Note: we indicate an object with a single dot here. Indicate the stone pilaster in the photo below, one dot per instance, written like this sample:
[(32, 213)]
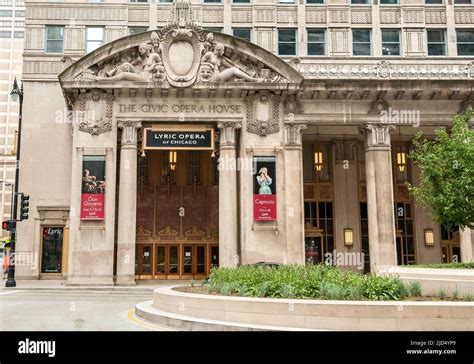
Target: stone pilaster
[(380, 202), (294, 201), (228, 245), (346, 195), (127, 208), (466, 245)]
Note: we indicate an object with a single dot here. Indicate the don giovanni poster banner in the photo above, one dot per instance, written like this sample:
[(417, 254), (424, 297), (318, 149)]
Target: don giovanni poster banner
[(264, 189), (93, 188)]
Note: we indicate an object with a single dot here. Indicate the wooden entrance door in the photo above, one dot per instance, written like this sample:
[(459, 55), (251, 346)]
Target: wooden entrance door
[(144, 261), (167, 261)]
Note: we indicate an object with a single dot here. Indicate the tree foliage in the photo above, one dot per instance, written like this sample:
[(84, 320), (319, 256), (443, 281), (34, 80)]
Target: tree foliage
[(447, 173)]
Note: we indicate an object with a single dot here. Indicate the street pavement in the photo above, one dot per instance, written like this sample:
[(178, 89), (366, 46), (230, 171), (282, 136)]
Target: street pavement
[(45, 307)]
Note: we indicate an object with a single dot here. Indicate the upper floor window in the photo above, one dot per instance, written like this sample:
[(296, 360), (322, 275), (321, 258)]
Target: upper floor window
[(463, 2), (433, 1), (212, 1), (135, 30), (138, 1), (244, 33), (286, 1), (95, 38), (465, 41), (316, 42), (314, 1), (54, 39), (360, 2), (361, 44), (6, 13), (242, 1), (388, 2), (20, 13), (436, 42), (5, 34), (390, 42), (166, 1), (287, 42)]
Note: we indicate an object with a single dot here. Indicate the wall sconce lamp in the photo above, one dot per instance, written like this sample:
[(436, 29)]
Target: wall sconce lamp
[(173, 158), (318, 161), (348, 237), (429, 237), (401, 161)]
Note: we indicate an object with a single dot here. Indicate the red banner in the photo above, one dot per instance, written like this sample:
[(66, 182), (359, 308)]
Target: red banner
[(264, 207), (92, 206), (93, 187), (264, 189)]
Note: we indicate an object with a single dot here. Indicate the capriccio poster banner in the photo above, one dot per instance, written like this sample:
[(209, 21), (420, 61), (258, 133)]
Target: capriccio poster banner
[(264, 189), (93, 188)]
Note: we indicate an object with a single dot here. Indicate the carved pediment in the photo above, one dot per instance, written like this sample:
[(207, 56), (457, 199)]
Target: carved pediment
[(180, 54)]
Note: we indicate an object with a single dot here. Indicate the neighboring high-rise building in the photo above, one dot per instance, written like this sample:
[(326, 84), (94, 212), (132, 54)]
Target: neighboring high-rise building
[(12, 25)]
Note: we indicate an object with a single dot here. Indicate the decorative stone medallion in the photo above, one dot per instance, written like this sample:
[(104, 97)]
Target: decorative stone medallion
[(95, 112), (263, 113)]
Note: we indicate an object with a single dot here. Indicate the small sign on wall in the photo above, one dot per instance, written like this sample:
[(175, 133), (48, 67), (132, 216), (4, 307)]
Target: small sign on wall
[(171, 139), (264, 189), (93, 188)]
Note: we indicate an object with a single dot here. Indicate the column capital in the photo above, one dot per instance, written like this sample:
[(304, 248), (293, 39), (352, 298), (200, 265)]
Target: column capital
[(129, 131), (345, 149), (228, 129), (377, 135), (293, 133)]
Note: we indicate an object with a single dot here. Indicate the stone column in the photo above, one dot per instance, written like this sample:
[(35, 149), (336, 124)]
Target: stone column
[(126, 233), (380, 205), (293, 198), (346, 196), (228, 250), (466, 245)]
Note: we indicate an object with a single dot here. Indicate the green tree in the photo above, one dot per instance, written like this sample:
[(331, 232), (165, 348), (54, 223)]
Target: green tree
[(447, 173)]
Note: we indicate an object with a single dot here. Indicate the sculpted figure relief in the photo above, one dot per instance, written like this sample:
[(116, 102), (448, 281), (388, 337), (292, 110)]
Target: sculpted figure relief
[(181, 53), (223, 68)]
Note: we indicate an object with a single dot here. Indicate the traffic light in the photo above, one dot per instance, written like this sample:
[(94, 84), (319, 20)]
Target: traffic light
[(7, 225), (24, 207)]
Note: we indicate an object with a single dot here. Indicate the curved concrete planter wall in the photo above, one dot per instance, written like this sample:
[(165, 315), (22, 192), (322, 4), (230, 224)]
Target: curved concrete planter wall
[(225, 311)]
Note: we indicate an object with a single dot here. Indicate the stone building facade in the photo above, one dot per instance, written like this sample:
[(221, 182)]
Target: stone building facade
[(182, 146)]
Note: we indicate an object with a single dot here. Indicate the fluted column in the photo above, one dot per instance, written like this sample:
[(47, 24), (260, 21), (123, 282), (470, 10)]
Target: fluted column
[(228, 253), (380, 204), (127, 212)]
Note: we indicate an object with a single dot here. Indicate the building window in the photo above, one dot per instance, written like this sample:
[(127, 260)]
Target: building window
[(142, 169), (318, 215), (52, 250), (286, 1), (463, 2), (405, 239), (364, 234), (316, 42), (136, 30), (138, 1), (166, 1), (359, 2), (6, 13), (194, 167), (20, 13), (390, 42), (361, 42), (212, 1), (213, 29), (314, 1), (54, 39), (433, 1), (244, 33), (287, 42), (17, 34), (436, 42), (465, 41), (5, 34), (241, 1), (95, 38), (388, 2)]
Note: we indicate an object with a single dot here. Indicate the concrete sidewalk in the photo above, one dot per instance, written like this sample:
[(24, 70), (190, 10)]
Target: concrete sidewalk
[(143, 286)]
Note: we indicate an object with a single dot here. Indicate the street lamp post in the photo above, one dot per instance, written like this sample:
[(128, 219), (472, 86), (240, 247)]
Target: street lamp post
[(16, 94)]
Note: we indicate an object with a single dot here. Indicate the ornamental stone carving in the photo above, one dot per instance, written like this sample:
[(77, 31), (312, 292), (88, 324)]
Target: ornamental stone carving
[(263, 113), (95, 112), (377, 135), (181, 53), (378, 106)]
